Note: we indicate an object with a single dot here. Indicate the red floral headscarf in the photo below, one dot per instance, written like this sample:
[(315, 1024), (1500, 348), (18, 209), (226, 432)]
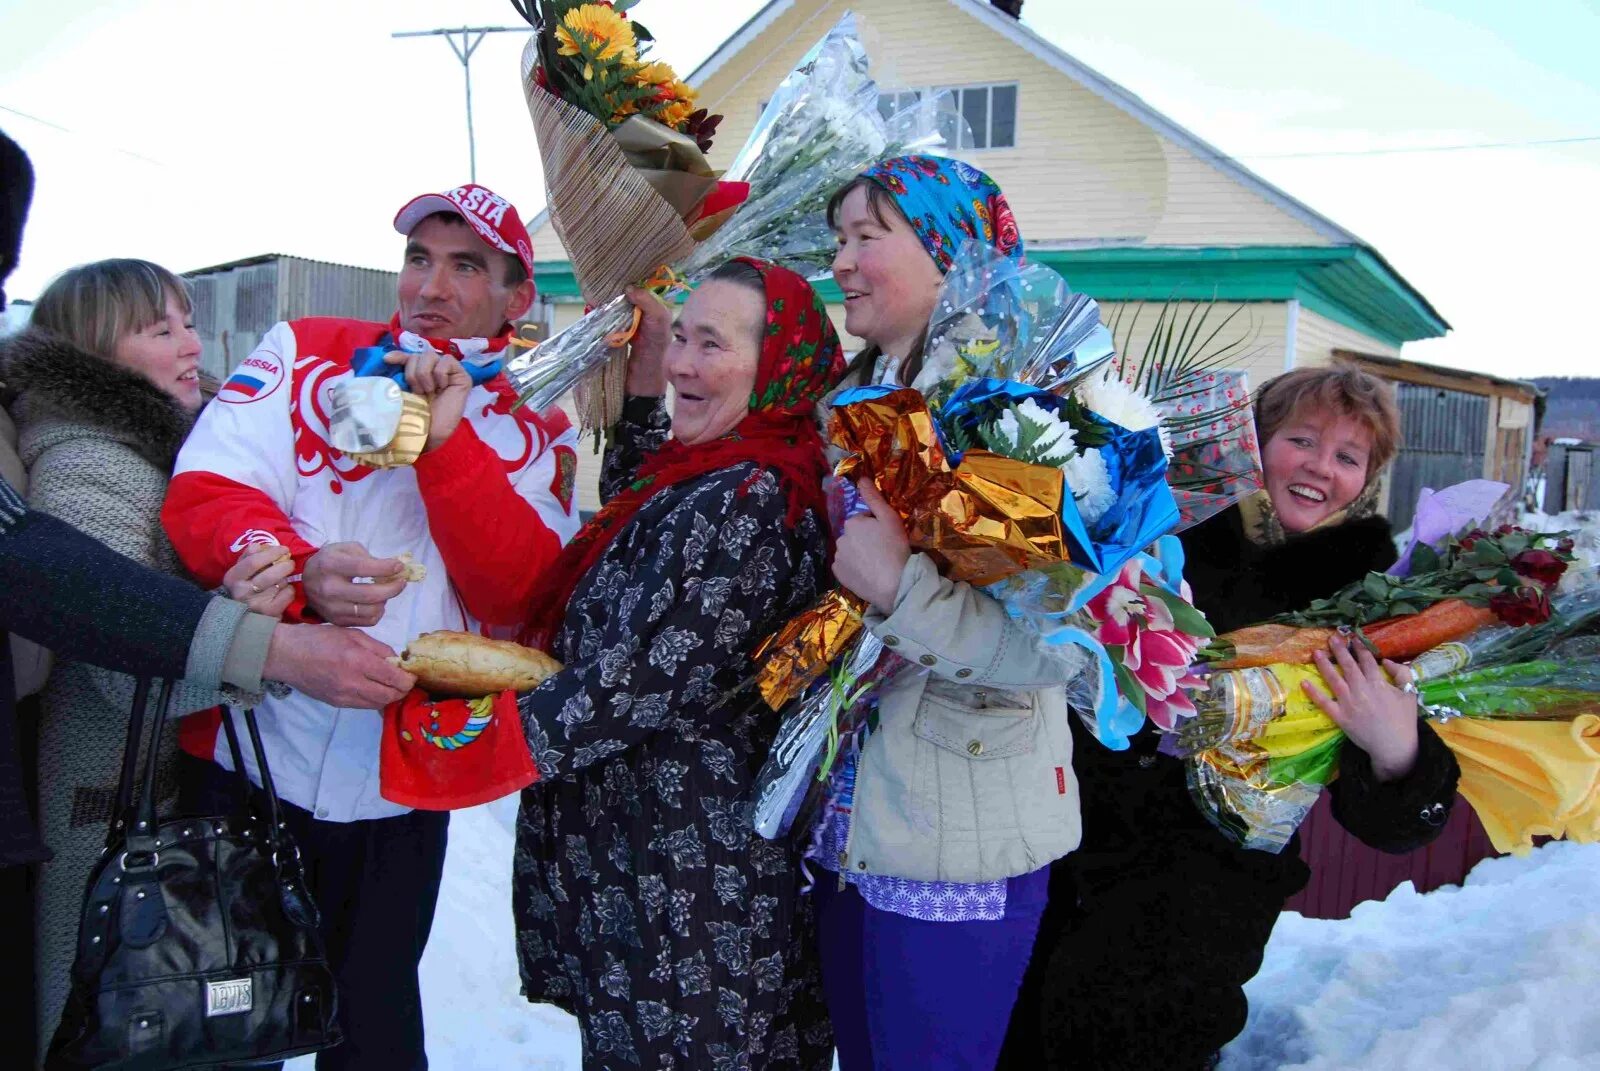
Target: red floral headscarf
[(800, 362)]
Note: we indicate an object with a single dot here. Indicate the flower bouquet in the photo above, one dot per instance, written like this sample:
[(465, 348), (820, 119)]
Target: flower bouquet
[(1022, 463), (821, 127), (623, 148), (1468, 581), (1187, 362), (1500, 673)]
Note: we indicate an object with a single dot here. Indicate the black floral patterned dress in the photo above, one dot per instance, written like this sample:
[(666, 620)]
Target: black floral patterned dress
[(644, 903)]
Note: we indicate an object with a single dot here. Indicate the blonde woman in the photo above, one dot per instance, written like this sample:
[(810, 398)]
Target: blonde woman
[(107, 377)]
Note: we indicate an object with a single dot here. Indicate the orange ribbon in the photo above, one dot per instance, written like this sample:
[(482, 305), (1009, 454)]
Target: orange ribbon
[(660, 281)]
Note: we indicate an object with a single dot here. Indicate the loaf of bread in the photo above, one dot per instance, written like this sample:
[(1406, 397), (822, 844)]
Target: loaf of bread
[(465, 665)]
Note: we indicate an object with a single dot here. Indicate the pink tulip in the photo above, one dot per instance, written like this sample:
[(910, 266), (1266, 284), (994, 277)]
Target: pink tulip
[(1156, 654)]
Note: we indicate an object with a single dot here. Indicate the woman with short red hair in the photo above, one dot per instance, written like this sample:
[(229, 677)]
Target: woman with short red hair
[(1157, 921)]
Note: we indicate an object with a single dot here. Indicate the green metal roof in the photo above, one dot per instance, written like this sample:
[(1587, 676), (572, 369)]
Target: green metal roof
[(1350, 285)]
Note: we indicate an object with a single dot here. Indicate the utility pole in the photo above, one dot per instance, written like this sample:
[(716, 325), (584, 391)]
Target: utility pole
[(471, 37)]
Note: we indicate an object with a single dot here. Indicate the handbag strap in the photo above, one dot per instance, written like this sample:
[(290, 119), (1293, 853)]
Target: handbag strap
[(233, 748), (247, 791), (130, 762), (274, 818), (146, 816)]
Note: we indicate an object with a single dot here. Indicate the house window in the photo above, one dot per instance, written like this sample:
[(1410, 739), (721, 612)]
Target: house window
[(990, 112)]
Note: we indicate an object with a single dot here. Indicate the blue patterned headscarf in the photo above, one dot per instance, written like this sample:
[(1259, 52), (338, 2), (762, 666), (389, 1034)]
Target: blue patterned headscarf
[(948, 202)]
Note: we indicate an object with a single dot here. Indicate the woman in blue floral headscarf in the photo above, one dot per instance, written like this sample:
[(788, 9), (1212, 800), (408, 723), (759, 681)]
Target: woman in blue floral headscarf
[(941, 823)]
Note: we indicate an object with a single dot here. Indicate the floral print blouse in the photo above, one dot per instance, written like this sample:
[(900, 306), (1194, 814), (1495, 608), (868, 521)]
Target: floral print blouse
[(644, 902)]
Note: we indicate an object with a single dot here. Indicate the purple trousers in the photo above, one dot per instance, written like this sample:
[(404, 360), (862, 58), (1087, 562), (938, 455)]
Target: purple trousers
[(909, 995)]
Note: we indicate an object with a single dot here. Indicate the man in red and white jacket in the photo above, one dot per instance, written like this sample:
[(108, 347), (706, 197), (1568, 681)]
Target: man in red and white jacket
[(485, 507)]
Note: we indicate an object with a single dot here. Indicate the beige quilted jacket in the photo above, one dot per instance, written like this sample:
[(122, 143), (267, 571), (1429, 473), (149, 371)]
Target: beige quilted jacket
[(968, 776)]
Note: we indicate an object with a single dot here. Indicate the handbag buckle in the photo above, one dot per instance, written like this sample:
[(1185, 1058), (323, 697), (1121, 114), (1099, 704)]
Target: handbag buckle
[(155, 860)]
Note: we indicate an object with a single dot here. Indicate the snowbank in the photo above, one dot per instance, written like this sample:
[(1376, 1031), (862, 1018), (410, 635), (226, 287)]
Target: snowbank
[(1498, 974)]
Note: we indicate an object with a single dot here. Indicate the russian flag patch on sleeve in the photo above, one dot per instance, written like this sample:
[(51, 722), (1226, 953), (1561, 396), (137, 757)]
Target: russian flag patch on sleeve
[(257, 376)]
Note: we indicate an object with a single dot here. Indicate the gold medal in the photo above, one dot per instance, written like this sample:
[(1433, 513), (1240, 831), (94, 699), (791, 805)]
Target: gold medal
[(376, 423)]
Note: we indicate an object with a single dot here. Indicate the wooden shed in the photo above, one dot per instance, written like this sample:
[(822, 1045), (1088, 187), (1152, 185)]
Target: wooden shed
[(1345, 872), (1571, 476), (1455, 426)]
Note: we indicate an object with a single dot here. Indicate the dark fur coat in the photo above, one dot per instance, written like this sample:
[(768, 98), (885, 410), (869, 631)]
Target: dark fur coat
[(1157, 921)]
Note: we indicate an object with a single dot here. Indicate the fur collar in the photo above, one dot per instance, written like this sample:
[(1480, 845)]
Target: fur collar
[(57, 381), (1239, 582)]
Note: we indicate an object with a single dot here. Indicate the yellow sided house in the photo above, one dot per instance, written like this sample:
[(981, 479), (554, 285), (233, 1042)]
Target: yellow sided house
[(1129, 207)]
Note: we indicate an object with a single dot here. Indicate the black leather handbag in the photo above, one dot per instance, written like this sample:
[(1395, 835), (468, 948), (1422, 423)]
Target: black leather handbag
[(199, 944)]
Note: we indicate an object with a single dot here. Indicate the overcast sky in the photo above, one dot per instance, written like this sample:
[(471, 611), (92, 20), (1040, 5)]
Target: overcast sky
[(193, 133)]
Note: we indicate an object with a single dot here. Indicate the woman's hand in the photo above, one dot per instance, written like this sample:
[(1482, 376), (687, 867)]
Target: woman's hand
[(1379, 717), (872, 551), (259, 579), (647, 363)]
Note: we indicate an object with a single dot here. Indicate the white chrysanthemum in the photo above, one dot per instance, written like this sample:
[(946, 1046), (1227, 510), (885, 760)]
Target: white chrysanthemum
[(1055, 446), (1090, 483), (1108, 396), (1007, 426)]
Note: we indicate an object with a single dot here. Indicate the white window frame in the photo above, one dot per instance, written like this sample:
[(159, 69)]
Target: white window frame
[(959, 91)]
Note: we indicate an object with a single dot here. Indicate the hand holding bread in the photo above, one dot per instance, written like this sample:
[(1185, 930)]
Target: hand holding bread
[(465, 665)]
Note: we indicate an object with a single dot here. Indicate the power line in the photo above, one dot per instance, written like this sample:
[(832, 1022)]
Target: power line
[(471, 38), (79, 133), (1420, 149)]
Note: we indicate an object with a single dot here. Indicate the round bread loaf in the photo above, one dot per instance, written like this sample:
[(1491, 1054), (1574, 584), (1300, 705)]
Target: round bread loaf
[(462, 664)]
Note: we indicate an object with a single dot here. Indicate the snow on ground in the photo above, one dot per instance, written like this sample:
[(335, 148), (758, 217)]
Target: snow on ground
[(1583, 524), (1498, 975), (1495, 975), (475, 1018)]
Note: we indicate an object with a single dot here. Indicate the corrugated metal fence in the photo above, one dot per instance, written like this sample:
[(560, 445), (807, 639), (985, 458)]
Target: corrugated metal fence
[(232, 310), (1445, 435), (236, 304), (313, 288)]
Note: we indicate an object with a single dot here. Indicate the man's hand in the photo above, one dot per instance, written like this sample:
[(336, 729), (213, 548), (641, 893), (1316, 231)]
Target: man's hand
[(347, 586), (439, 378), (340, 667), (259, 579), (647, 375)]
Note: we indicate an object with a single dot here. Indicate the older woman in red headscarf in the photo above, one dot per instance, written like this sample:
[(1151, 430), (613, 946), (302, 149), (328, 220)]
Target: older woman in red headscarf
[(644, 903)]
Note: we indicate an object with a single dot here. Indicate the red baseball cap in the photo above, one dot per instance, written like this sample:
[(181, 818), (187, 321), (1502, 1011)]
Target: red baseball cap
[(492, 216)]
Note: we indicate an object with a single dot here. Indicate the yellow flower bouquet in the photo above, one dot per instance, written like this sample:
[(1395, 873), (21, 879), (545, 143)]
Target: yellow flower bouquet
[(623, 143)]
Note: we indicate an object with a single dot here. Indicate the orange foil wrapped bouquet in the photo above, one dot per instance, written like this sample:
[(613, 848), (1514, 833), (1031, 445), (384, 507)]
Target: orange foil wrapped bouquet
[(983, 521)]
